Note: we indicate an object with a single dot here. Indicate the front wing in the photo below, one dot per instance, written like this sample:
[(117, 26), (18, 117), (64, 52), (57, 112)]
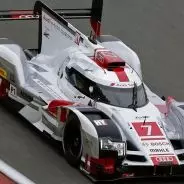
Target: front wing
[(140, 172)]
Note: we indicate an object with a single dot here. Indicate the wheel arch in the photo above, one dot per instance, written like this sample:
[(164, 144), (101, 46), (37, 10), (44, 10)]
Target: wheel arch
[(92, 130), (88, 132)]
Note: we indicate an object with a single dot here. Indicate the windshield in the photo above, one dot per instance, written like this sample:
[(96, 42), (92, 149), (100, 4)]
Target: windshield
[(121, 97)]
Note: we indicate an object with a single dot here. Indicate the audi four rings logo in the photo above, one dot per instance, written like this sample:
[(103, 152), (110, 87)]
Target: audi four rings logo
[(164, 159), (28, 16)]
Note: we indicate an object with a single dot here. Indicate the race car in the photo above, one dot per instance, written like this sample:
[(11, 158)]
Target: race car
[(88, 93)]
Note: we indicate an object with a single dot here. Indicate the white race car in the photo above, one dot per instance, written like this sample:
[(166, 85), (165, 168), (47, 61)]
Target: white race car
[(88, 93)]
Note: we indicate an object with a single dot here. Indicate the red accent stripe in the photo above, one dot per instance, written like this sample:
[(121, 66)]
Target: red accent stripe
[(96, 27), (20, 14), (121, 74), (151, 138)]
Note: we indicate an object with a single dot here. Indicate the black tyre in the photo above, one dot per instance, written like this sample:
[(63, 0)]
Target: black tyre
[(72, 141)]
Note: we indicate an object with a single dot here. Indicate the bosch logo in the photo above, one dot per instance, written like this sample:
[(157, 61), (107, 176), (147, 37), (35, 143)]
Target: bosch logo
[(164, 159)]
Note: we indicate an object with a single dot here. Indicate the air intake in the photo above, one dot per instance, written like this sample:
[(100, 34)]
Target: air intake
[(107, 59)]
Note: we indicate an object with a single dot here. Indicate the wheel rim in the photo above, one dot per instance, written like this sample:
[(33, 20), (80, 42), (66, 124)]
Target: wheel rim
[(73, 144)]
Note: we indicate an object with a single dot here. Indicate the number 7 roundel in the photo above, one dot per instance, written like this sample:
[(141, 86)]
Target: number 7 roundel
[(147, 129)]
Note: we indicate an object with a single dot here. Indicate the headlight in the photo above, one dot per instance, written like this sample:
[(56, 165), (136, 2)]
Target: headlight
[(107, 144)]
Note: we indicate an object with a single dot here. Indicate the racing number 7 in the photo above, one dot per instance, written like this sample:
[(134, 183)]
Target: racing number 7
[(148, 128)]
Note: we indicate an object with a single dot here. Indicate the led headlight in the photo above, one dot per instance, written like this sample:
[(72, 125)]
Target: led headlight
[(107, 144)]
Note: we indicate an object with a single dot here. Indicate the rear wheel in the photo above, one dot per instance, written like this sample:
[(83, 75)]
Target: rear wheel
[(72, 141)]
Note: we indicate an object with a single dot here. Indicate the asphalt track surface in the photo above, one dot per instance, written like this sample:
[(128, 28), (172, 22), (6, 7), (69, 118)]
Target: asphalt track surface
[(153, 28)]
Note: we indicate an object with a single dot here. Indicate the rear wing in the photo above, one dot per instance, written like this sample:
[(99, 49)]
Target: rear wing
[(94, 14)]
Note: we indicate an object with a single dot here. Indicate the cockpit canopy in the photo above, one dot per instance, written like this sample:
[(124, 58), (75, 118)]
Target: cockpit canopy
[(112, 95)]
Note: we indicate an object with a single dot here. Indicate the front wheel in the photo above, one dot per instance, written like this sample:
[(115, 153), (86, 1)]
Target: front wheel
[(72, 142)]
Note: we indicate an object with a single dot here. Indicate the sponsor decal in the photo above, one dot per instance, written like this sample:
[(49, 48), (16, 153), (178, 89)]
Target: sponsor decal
[(155, 143), (141, 117), (147, 129), (157, 146), (80, 97), (77, 38), (123, 85), (100, 122), (3, 73), (164, 160), (47, 88), (13, 90), (161, 150), (56, 26), (27, 16)]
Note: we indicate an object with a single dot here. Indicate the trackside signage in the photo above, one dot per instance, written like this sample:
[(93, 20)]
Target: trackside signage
[(155, 143)]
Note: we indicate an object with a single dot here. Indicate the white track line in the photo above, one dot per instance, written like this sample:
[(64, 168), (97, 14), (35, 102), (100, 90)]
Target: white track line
[(13, 174)]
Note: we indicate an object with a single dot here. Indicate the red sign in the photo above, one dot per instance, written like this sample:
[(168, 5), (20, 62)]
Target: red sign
[(164, 160), (147, 129)]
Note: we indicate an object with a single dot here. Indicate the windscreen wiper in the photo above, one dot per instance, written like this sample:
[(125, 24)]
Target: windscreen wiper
[(134, 98)]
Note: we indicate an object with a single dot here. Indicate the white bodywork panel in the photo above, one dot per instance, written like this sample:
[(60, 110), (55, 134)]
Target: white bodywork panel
[(57, 34), (61, 37), (125, 53)]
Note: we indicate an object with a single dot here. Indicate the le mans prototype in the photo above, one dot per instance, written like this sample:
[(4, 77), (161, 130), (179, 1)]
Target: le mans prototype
[(88, 93)]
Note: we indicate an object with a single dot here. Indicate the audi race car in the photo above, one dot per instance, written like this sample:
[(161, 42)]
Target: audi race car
[(88, 93)]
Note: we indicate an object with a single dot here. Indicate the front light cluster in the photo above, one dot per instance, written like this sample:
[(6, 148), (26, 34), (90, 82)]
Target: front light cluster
[(107, 144)]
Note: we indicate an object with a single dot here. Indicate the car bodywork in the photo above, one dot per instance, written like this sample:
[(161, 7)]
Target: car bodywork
[(126, 129)]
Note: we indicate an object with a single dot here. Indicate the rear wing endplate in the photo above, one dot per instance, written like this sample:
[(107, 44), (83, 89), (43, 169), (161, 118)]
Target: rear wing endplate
[(94, 14)]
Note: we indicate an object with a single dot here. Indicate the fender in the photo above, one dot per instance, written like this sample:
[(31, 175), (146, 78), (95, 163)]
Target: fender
[(95, 125), (12, 64)]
